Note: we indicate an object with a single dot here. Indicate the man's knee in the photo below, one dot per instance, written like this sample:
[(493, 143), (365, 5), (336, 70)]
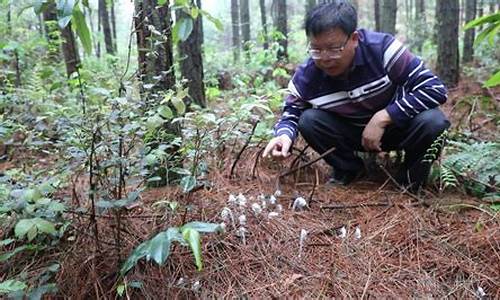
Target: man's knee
[(307, 121), (432, 122)]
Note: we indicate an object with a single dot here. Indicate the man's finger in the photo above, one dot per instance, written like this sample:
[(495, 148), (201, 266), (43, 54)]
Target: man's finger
[(284, 149), (269, 146), (276, 153)]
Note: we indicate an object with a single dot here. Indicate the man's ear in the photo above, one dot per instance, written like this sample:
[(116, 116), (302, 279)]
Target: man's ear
[(355, 38)]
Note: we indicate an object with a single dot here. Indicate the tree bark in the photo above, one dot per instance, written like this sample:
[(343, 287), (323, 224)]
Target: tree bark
[(9, 18), (70, 50), (420, 16), (192, 60), (245, 26), (158, 68), (469, 35), (113, 24), (280, 22), (106, 28), (235, 19), (388, 16), (376, 9), (51, 31), (263, 18), (310, 4), (447, 17)]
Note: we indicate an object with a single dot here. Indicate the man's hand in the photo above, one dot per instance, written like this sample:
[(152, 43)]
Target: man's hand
[(278, 146), (374, 130)]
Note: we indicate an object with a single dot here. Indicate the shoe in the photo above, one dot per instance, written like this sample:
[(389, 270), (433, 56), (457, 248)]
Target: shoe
[(341, 177)]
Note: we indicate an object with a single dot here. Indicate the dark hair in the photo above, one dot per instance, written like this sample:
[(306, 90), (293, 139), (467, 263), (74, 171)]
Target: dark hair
[(326, 16)]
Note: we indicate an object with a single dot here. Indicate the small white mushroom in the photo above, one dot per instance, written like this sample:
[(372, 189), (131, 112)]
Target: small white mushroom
[(299, 203), (480, 293), (279, 208), (225, 214), (357, 233), (180, 281), (242, 231), (242, 200), (272, 214), (272, 200), (242, 219), (232, 199), (343, 232), (196, 286), (303, 235), (277, 193), (257, 210)]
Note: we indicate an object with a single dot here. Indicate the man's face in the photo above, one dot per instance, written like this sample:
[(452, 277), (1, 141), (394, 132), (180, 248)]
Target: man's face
[(333, 51)]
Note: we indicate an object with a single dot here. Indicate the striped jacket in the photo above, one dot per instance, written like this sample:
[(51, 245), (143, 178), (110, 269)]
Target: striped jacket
[(384, 74)]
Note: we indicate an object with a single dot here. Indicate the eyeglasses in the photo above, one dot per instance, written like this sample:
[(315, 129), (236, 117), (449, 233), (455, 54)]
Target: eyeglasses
[(330, 53)]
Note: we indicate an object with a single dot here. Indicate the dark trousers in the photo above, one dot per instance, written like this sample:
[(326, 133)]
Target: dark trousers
[(323, 130)]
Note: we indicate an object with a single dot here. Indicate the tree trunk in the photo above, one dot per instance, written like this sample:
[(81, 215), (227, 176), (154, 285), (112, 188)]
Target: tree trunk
[(245, 27), (51, 31), (310, 4), (447, 17), (92, 28), (157, 68), (9, 18), (235, 19), (280, 22), (106, 28), (388, 16), (421, 18), (263, 18), (480, 12), (113, 24), (376, 9), (70, 50), (469, 35), (192, 60)]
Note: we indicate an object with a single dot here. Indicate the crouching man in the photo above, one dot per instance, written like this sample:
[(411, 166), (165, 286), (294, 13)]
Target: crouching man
[(360, 91)]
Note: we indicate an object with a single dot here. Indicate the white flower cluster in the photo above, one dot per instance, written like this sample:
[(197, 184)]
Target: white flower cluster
[(236, 211), (342, 233)]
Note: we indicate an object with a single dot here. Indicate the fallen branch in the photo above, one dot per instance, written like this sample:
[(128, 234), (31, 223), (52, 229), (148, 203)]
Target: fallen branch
[(307, 164), (243, 149)]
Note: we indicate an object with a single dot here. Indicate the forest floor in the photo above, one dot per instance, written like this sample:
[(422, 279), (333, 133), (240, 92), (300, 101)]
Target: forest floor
[(369, 239)]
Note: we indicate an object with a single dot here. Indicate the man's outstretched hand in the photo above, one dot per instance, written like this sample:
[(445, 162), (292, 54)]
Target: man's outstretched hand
[(278, 147)]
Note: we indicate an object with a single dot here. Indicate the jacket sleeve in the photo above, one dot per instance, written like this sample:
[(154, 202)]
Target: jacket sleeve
[(293, 107), (418, 89)]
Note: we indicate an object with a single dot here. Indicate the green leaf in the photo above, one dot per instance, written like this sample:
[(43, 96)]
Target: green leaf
[(195, 12), (192, 237), (165, 112), (203, 227), (159, 248), (484, 34), (154, 122), (482, 20), (45, 226), (6, 242), (22, 227), (179, 105), (82, 30), (31, 195), (39, 6), (217, 22), (8, 255), (11, 286), (120, 290), (188, 183), (64, 21), (134, 257), (182, 29), (493, 80)]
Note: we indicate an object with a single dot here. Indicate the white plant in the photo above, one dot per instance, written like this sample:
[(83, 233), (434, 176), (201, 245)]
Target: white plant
[(242, 200), (343, 232), (272, 214), (303, 235), (277, 193), (357, 233), (243, 220), (272, 200), (257, 210), (279, 208), (299, 204)]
